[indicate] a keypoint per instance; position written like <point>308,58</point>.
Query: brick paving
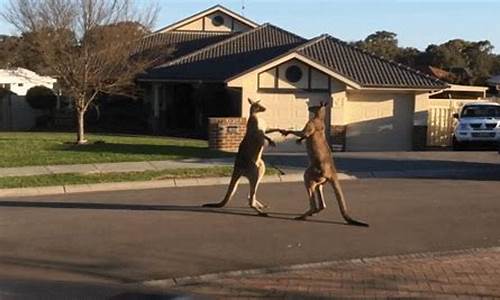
<point>453,275</point>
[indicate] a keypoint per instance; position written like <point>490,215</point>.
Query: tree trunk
<point>80,134</point>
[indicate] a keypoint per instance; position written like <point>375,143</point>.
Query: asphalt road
<point>133,236</point>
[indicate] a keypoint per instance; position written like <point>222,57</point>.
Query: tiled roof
<point>366,69</point>
<point>182,42</point>
<point>229,57</point>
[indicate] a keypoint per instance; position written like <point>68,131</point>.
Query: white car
<point>477,123</point>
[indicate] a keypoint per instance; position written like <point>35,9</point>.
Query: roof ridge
<point>237,36</point>
<point>390,61</point>
<point>309,42</point>
<point>287,31</point>
<point>193,32</point>
<point>170,63</point>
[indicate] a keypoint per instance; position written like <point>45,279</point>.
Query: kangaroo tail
<point>343,205</point>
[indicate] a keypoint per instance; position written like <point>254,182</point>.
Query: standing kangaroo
<point>248,160</point>
<point>321,168</point>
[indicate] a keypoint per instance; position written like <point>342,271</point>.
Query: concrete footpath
<point>484,165</point>
<point>119,167</point>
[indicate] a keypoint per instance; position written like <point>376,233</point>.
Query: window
<point>293,74</point>
<point>5,86</point>
<point>217,21</point>
<point>20,84</point>
<point>481,111</point>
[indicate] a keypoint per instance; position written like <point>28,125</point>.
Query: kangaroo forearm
<point>273,130</point>
<point>299,134</point>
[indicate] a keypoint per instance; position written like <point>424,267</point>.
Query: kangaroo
<point>321,168</point>
<point>248,160</point>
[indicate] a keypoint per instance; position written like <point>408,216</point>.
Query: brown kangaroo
<point>248,162</point>
<point>321,168</point>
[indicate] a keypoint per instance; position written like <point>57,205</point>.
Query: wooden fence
<point>441,122</point>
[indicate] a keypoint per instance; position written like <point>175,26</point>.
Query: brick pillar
<point>225,134</point>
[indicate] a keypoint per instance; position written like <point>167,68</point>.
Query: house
<point>494,84</point>
<point>20,80</point>
<point>438,73</point>
<point>461,92</point>
<point>223,58</point>
<point>15,112</point>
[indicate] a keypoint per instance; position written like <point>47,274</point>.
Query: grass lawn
<point>51,148</point>
<point>65,179</point>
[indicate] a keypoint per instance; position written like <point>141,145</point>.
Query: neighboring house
<point>461,92</point>
<point>15,112</point>
<point>376,104</point>
<point>439,73</point>
<point>494,84</point>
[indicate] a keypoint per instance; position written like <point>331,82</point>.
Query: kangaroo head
<point>319,111</point>
<point>255,106</point>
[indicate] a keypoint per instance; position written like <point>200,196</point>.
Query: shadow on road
<point>150,207</point>
<point>402,165</point>
<point>62,290</point>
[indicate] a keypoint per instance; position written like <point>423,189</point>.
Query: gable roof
<point>182,42</point>
<point>366,69</point>
<point>230,57</point>
<point>206,12</point>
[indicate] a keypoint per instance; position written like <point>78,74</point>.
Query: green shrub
<point>40,97</point>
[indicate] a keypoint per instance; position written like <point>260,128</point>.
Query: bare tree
<point>89,45</point>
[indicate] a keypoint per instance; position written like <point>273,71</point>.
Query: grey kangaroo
<point>321,168</point>
<point>248,162</point>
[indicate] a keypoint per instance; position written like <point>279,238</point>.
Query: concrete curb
<point>186,280</point>
<point>186,182</point>
<point>142,185</point>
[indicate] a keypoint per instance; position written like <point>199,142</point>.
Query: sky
<point>417,23</point>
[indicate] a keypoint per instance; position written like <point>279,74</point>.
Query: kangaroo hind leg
<point>343,205</point>
<point>321,198</point>
<point>233,185</point>
<point>254,177</point>
<point>310,189</point>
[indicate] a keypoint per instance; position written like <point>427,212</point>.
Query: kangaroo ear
<point>250,101</point>
<point>258,101</point>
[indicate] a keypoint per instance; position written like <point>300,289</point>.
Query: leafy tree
<point>89,45</point>
<point>409,56</point>
<point>381,43</point>
<point>447,55</point>
<point>469,62</point>
<point>480,60</point>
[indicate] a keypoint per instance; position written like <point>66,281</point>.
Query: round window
<point>293,74</point>
<point>217,21</point>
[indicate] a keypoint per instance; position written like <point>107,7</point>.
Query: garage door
<point>381,123</point>
<point>289,111</point>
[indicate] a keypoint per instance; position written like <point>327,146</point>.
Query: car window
<point>480,111</point>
